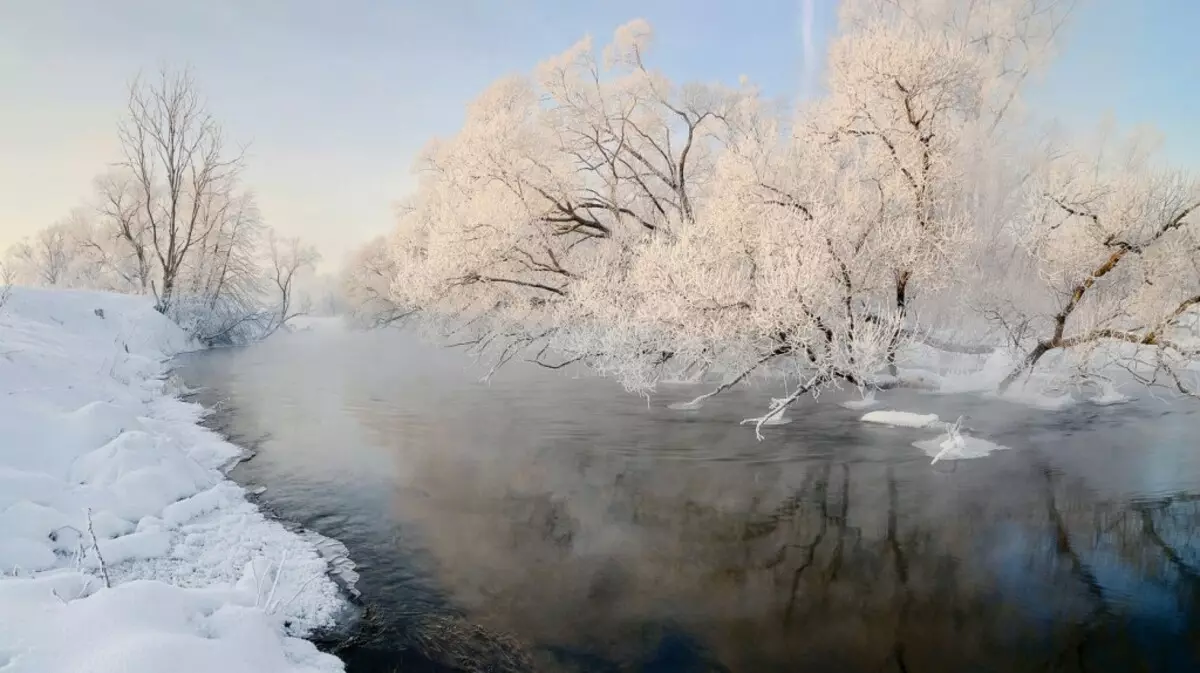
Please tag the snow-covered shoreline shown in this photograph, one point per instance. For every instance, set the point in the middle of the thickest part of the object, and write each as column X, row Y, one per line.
column 95, row 443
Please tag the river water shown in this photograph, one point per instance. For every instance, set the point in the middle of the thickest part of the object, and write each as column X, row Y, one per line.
column 554, row 519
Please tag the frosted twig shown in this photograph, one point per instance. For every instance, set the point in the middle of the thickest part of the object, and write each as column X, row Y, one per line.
column 275, row 582
column 96, row 547
column 695, row 404
column 257, row 582
column 296, row 594
column 953, row 440
column 778, row 405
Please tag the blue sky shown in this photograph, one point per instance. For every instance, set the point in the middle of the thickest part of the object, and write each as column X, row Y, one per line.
column 335, row 98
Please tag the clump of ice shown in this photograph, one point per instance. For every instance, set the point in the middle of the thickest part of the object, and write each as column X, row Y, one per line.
column 1109, row 399
column 957, row 446
column 99, row 461
column 1109, row 395
column 900, row 419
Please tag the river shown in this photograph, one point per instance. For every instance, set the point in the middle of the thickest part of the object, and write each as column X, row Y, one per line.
column 553, row 520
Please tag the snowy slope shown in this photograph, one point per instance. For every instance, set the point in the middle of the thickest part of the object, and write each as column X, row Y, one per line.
column 92, row 442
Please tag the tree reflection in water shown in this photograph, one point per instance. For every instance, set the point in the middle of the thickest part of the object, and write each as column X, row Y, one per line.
column 822, row 565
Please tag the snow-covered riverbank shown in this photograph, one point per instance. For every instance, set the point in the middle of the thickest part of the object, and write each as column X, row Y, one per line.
column 95, row 446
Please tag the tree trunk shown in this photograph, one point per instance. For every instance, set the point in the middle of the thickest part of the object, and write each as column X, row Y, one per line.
column 1026, row 365
column 901, row 307
column 168, row 288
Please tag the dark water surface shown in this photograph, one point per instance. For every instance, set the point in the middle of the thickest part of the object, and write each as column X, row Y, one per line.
column 606, row 535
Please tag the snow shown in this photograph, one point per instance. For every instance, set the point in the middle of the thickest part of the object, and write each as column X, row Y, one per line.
column 900, row 419
column 96, row 444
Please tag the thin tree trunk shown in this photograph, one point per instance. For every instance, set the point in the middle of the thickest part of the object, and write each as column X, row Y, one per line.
column 902, row 308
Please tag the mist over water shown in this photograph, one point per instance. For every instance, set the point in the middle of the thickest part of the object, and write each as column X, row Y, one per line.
column 608, row 535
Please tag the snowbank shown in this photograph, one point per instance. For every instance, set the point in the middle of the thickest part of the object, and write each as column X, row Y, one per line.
column 900, row 419
column 99, row 461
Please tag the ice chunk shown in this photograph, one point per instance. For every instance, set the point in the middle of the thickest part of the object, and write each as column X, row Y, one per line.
column 900, row 419
column 957, row 446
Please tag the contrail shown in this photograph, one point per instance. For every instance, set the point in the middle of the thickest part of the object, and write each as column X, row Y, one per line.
column 809, row 54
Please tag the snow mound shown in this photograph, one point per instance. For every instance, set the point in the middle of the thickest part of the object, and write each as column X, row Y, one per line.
column 900, row 419
column 104, row 474
column 142, row 626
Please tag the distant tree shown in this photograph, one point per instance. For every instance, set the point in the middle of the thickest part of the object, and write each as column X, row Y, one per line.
column 122, row 237
column 366, row 282
column 6, row 283
column 48, row 257
column 288, row 257
column 181, row 179
column 221, row 292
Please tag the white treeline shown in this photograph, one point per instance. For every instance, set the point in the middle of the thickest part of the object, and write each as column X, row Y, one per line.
column 596, row 212
column 171, row 218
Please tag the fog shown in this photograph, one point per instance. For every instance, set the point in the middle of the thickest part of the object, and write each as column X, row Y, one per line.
column 589, row 523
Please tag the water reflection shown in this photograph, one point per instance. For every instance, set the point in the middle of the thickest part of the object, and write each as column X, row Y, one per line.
column 609, row 536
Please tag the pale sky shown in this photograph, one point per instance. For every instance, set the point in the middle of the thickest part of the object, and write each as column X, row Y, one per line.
column 335, row 98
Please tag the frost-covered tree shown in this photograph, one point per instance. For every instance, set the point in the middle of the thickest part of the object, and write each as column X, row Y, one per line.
column 783, row 271
column 56, row 256
column 1114, row 240
column 121, row 239
column 603, row 215
column 923, row 90
column 42, row 259
column 366, row 281
column 288, row 258
column 7, row 278
column 220, row 292
column 549, row 190
column 596, row 213
column 172, row 219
